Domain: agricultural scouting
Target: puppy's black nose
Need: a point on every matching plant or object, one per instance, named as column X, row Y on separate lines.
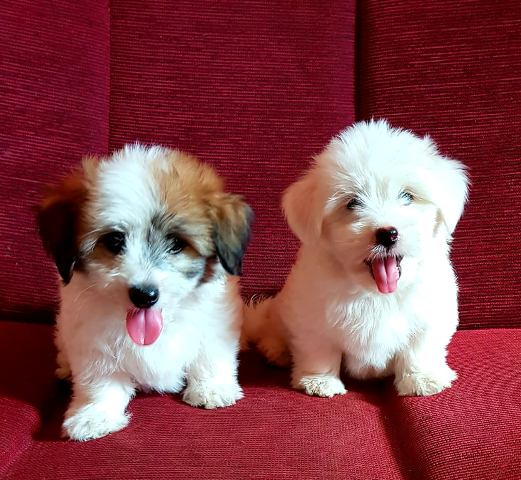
column 143, row 296
column 386, row 236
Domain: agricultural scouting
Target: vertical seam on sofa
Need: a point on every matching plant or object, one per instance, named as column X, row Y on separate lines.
column 109, row 99
column 357, row 59
column 358, row 62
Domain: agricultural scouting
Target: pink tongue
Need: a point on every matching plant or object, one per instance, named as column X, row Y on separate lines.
column 144, row 325
column 386, row 274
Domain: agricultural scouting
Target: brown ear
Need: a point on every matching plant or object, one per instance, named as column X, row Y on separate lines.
column 232, row 218
column 58, row 223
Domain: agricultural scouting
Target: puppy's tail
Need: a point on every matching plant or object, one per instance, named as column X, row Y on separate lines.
column 263, row 328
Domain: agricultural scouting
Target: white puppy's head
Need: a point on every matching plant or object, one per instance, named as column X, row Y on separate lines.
column 380, row 200
column 145, row 228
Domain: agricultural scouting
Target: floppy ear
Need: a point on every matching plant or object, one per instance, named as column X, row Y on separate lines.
column 303, row 207
column 58, row 219
column 448, row 190
column 231, row 218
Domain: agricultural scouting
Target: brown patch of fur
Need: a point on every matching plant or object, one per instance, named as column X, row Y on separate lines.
column 184, row 184
column 212, row 222
column 209, row 270
column 59, row 219
column 215, row 220
column 231, row 218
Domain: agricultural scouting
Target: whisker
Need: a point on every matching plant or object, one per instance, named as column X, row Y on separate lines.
column 83, row 291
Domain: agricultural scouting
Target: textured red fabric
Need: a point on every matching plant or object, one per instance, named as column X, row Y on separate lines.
column 26, row 385
column 469, row 431
column 255, row 88
column 273, row 432
column 54, row 95
column 453, row 69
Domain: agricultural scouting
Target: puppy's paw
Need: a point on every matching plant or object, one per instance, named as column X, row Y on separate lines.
column 210, row 395
column 93, row 421
column 425, row 383
column 320, row 385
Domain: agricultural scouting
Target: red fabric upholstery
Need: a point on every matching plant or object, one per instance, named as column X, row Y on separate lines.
column 54, row 96
column 453, row 69
column 469, row 431
column 26, row 385
column 255, row 88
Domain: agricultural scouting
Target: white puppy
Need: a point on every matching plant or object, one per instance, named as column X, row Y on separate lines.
column 144, row 242
column 373, row 284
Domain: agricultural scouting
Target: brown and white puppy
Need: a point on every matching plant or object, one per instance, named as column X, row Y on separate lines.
column 145, row 242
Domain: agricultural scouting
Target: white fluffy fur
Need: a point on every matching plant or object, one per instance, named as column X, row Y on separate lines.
column 199, row 342
column 330, row 310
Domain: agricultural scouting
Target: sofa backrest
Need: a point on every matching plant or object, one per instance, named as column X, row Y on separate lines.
column 256, row 89
column 54, row 99
column 453, row 69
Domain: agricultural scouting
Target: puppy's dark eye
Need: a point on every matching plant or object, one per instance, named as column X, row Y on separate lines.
column 407, row 197
column 353, row 203
column 176, row 244
column 114, row 242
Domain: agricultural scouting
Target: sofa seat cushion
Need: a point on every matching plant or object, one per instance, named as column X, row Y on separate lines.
column 273, row 432
column 470, row 431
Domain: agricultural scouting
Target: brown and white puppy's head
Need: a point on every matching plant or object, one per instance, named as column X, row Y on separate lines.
column 147, row 227
column 380, row 200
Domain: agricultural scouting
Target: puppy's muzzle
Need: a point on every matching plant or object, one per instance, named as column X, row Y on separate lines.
column 143, row 296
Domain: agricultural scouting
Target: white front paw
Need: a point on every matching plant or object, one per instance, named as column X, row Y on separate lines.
column 425, row 383
column 320, row 385
column 93, row 421
column 211, row 395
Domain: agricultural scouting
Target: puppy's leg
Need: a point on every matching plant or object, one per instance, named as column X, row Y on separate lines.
column 98, row 408
column 421, row 369
column 212, row 377
column 263, row 327
column 316, row 367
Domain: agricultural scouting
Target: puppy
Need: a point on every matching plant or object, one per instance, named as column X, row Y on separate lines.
column 372, row 284
column 145, row 242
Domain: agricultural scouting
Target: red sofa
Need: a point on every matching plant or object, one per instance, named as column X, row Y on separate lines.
column 256, row 88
